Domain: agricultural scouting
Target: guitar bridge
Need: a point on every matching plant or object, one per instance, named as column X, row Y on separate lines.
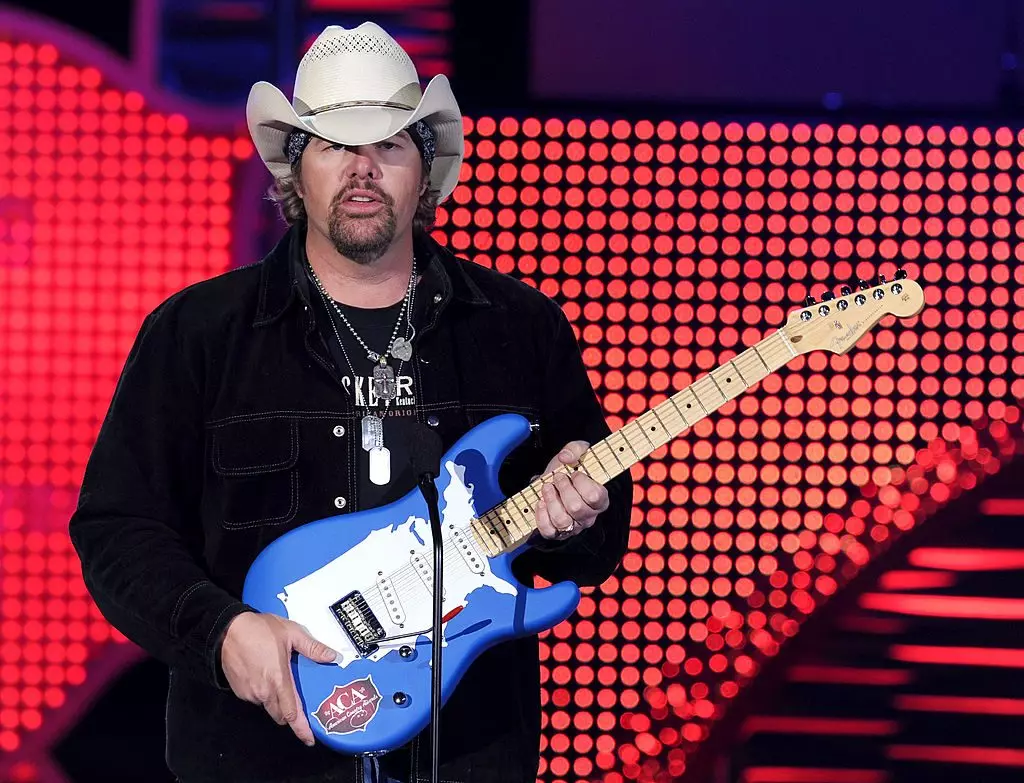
column 359, row 622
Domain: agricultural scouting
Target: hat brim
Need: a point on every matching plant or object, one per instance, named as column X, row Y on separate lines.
column 271, row 117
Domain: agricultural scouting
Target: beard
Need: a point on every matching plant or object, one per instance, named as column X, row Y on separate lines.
column 362, row 238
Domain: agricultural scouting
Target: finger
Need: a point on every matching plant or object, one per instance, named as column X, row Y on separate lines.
column 571, row 499
column 572, row 451
column 544, row 521
column 594, row 495
column 297, row 718
column 273, row 708
column 305, row 644
column 556, row 511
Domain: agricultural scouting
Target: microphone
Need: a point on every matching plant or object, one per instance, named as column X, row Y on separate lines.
column 425, row 451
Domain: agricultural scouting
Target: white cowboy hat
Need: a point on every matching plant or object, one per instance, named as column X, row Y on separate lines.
column 357, row 87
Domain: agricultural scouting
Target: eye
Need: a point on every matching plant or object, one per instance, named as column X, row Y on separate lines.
column 336, row 147
column 387, row 145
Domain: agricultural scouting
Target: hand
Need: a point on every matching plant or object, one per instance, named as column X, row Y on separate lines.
column 256, row 658
column 570, row 505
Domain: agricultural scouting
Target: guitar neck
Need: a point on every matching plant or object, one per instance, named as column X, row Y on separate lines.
column 508, row 524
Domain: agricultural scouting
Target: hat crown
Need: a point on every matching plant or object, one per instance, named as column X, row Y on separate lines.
column 362, row 65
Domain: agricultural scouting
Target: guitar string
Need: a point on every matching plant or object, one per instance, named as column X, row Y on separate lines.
column 400, row 579
column 407, row 575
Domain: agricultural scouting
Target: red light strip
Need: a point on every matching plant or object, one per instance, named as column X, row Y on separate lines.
column 969, row 607
column 996, row 757
column 846, row 727
column 812, row 775
column 968, row 559
column 1002, row 507
column 967, row 705
column 884, row 626
column 849, row 675
column 915, row 580
column 958, row 656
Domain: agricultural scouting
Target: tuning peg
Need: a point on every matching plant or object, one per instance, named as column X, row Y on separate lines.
column 901, row 274
column 845, row 290
column 864, row 284
column 810, row 300
column 881, row 280
column 828, row 296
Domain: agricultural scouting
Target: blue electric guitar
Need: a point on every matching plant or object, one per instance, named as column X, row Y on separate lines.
column 362, row 583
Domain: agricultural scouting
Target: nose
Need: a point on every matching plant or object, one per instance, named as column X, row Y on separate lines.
column 362, row 164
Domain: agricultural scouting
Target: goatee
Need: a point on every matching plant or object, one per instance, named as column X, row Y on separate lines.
column 362, row 239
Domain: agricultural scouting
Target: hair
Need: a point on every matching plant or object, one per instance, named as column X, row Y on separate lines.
column 289, row 203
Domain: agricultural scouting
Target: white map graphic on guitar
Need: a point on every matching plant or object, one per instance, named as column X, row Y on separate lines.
column 405, row 554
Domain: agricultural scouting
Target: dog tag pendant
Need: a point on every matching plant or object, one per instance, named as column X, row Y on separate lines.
column 372, row 431
column 380, row 466
column 384, row 385
column 402, row 349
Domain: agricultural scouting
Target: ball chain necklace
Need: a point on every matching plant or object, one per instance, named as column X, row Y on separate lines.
column 384, row 385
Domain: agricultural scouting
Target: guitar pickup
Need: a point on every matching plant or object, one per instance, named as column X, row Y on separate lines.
column 359, row 623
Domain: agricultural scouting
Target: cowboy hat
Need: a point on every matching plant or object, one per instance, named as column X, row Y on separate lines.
column 356, row 87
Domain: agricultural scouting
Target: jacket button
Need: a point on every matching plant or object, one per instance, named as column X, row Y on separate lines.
column 432, row 420
column 340, row 502
column 339, row 431
column 437, row 298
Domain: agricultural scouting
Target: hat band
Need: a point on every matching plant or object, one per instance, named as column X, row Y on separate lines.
column 350, row 104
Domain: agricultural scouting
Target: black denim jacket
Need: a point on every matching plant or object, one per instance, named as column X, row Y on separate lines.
column 229, row 427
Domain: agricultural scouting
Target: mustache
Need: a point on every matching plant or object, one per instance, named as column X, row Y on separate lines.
column 368, row 186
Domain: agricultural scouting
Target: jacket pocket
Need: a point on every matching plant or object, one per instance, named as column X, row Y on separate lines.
column 255, row 462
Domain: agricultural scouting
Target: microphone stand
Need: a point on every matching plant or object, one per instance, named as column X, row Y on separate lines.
column 429, row 490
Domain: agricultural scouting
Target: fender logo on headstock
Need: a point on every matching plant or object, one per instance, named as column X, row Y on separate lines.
column 839, row 340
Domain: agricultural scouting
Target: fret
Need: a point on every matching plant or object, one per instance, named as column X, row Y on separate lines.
column 697, row 400
column 619, row 450
column 679, row 410
column 512, row 516
column 709, row 387
column 605, row 443
column 643, row 428
column 726, row 383
column 757, row 353
column 752, row 363
column 781, row 335
column 479, row 540
column 737, row 369
column 491, row 532
column 667, row 430
column 658, row 425
column 592, row 452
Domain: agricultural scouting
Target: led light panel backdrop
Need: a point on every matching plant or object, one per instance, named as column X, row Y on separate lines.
column 671, row 245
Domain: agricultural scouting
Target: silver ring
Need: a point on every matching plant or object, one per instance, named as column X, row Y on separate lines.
column 564, row 531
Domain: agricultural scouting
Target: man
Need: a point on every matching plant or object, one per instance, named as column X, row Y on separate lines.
column 282, row 393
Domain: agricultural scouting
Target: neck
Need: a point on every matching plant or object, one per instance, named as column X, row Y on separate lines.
column 507, row 525
column 380, row 283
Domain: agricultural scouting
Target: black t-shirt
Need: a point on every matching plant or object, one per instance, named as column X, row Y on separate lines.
column 392, row 475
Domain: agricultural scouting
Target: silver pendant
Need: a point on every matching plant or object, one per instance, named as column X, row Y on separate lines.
column 401, row 349
column 384, row 385
column 373, row 433
column 380, row 466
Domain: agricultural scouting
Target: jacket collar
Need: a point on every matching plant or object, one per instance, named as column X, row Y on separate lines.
column 282, row 280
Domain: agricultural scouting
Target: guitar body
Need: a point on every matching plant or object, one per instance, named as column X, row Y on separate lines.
column 362, row 584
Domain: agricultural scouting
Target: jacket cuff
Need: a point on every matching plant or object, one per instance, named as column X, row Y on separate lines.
column 216, row 635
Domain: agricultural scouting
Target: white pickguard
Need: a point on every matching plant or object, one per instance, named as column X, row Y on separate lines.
column 308, row 600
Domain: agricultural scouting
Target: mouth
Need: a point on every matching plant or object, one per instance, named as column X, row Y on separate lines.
column 359, row 196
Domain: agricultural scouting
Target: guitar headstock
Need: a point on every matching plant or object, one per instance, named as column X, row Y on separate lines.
column 837, row 323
